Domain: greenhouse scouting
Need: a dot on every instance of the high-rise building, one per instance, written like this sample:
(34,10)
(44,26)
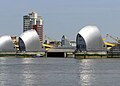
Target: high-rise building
(33,21)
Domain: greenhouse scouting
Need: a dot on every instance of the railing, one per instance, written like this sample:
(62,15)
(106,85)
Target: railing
(113,53)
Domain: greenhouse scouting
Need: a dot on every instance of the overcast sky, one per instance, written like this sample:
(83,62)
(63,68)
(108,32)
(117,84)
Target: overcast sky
(61,17)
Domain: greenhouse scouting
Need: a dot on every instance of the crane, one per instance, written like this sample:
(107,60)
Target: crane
(116,39)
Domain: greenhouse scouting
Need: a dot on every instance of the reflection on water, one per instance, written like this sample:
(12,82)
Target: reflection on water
(59,72)
(99,72)
(38,72)
(86,75)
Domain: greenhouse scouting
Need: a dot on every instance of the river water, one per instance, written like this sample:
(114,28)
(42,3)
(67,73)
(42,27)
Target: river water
(59,72)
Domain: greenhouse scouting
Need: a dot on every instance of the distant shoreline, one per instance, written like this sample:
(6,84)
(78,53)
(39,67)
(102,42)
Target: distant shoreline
(43,54)
(26,54)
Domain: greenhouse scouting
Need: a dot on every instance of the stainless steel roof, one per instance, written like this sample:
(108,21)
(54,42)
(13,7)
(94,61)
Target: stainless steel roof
(31,40)
(65,41)
(92,37)
(6,43)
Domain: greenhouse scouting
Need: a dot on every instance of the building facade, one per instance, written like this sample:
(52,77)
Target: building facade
(33,21)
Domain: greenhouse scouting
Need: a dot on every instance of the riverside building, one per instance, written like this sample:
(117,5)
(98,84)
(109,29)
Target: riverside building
(33,21)
(6,44)
(29,41)
(90,39)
